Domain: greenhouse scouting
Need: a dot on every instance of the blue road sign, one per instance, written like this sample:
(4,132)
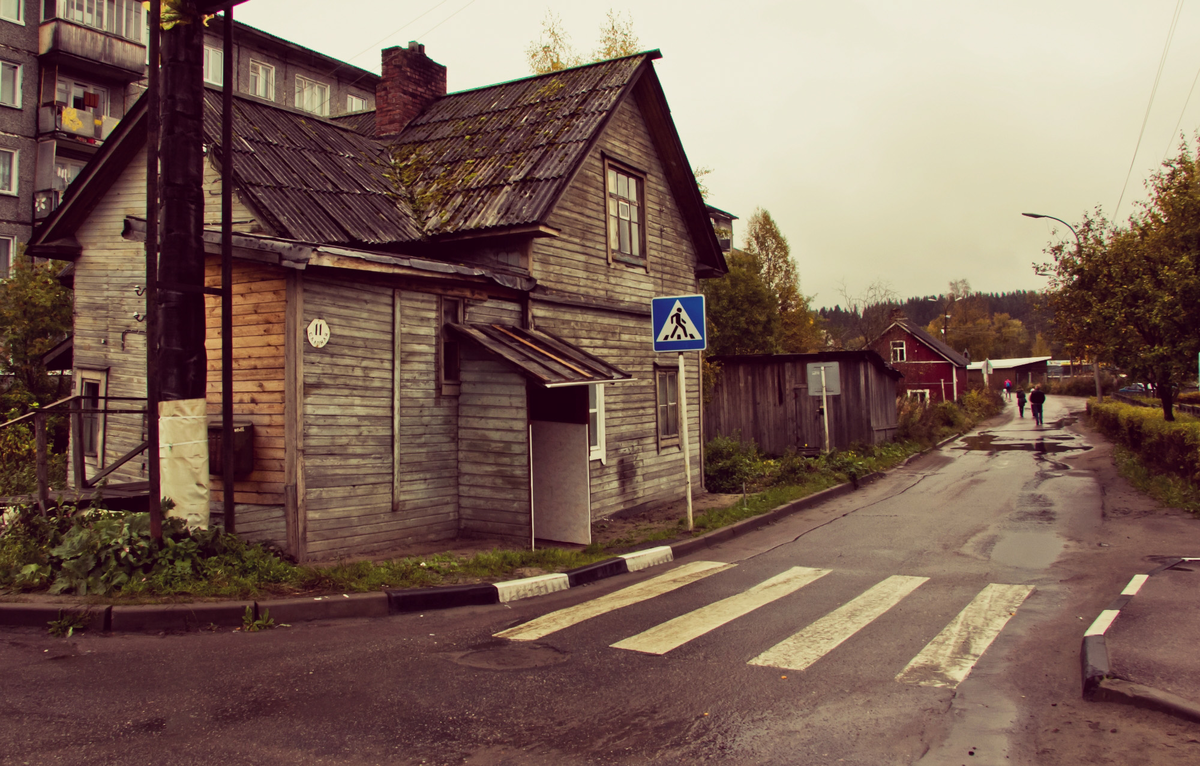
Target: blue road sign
(679,323)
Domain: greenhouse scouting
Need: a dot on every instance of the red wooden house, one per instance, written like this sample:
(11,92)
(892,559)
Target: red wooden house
(932,370)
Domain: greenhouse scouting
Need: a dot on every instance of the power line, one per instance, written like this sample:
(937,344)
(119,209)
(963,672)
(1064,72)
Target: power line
(443,21)
(1186,101)
(1153,90)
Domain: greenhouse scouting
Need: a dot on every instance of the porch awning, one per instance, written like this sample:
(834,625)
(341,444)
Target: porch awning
(550,361)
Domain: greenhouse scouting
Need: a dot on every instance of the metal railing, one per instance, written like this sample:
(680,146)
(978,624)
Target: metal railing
(76,407)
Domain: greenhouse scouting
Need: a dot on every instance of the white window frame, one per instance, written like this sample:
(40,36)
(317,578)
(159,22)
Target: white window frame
(920,394)
(351,98)
(19,5)
(8,246)
(265,80)
(214,65)
(100,378)
(16,172)
(899,351)
(625,213)
(320,91)
(669,375)
(68,87)
(17,86)
(596,437)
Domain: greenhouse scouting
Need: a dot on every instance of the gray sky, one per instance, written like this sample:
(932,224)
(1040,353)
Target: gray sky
(892,140)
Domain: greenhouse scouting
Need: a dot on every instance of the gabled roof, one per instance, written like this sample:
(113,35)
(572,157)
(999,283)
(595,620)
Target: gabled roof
(483,162)
(921,334)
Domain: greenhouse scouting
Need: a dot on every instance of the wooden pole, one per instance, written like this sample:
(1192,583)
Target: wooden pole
(152,131)
(43,481)
(227,276)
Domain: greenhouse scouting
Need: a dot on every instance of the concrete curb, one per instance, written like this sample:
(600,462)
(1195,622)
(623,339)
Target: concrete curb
(1099,684)
(183,617)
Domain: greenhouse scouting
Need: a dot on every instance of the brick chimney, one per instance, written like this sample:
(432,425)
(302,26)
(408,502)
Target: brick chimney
(411,81)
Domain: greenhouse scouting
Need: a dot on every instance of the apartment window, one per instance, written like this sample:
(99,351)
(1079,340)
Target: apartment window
(121,17)
(449,356)
(7,246)
(10,84)
(596,421)
(667,382)
(8,171)
(355,103)
(214,65)
(82,95)
(65,171)
(262,80)
(312,96)
(626,222)
(10,10)
(898,351)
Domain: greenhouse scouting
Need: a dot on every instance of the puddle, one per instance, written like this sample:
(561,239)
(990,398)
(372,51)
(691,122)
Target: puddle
(1041,444)
(511,655)
(1028,550)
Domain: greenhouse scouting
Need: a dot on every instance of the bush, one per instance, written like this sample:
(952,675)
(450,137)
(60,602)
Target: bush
(730,463)
(1166,447)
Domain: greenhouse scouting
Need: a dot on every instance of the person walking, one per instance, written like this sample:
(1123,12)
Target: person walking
(1036,400)
(1021,401)
(1008,389)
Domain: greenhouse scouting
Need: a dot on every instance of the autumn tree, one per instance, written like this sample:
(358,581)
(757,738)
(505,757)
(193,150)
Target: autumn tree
(798,328)
(553,50)
(35,314)
(1131,294)
(743,316)
(869,314)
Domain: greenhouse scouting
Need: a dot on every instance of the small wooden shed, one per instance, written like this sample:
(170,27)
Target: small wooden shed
(767,399)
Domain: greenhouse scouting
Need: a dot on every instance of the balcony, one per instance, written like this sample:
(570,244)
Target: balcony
(79,123)
(100,53)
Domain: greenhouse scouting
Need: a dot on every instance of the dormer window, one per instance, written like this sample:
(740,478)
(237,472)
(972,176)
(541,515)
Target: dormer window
(624,194)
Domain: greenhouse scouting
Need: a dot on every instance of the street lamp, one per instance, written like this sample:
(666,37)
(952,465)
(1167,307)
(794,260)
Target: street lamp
(1079,253)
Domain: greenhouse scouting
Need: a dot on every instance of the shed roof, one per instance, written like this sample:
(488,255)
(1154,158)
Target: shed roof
(546,359)
(867,354)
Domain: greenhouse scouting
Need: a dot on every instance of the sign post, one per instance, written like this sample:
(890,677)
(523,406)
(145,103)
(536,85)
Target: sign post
(824,380)
(679,325)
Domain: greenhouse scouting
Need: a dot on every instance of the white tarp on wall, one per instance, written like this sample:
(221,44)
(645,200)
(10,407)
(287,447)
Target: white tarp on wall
(183,458)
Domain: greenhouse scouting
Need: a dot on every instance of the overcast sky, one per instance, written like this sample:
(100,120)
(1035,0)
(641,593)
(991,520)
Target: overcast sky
(892,140)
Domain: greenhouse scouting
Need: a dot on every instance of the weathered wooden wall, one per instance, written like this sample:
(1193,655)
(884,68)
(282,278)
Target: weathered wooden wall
(765,399)
(259,312)
(616,324)
(426,451)
(347,418)
(107,337)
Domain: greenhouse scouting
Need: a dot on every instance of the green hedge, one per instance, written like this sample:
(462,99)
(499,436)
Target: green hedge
(1171,448)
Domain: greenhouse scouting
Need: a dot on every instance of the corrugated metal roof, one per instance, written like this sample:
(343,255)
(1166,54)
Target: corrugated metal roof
(314,180)
(498,156)
(547,359)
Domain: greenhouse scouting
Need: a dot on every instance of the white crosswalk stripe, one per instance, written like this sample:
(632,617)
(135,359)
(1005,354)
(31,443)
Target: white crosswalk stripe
(827,633)
(945,661)
(565,618)
(677,632)
(949,657)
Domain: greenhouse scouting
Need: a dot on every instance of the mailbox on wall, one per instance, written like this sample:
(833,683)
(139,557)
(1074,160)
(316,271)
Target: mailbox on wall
(243,449)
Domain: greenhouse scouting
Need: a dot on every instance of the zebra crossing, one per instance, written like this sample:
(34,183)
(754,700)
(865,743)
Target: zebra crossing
(945,661)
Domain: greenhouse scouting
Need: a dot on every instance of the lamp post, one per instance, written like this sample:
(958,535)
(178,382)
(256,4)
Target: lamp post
(1079,253)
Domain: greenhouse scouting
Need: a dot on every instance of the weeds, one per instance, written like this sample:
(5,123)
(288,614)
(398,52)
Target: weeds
(250,624)
(67,623)
(1171,491)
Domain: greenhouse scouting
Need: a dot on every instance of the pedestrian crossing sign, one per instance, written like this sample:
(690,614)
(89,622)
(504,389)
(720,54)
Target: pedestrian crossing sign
(679,323)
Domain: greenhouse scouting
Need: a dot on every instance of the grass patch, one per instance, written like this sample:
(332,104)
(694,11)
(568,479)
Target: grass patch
(1171,491)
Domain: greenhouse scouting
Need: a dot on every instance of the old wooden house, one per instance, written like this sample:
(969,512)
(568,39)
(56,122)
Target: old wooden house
(441,315)
(932,370)
(775,401)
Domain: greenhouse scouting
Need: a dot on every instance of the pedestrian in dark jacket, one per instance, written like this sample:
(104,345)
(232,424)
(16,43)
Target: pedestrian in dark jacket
(1036,400)
(1021,401)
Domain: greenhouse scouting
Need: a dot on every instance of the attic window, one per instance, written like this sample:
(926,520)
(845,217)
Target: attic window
(898,350)
(625,195)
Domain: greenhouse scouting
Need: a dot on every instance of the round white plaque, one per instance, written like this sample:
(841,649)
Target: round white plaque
(318,333)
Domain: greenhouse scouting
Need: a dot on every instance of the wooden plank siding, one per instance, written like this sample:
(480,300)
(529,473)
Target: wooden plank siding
(766,400)
(107,337)
(635,471)
(347,418)
(259,313)
(493,448)
(426,425)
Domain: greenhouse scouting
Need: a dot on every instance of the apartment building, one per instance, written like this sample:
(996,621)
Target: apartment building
(70,69)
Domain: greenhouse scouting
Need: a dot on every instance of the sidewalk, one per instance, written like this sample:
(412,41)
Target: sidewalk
(1142,649)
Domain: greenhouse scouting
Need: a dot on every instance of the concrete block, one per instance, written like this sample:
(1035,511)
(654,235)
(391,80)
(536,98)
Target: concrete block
(156,617)
(423,599)
(338,606)
(41,615)
(532,586)
(650,557)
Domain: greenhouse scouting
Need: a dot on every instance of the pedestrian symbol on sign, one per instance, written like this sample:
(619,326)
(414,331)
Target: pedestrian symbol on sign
(679,326)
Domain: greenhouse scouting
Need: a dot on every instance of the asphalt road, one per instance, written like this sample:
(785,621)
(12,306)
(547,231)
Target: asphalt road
(932,617)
